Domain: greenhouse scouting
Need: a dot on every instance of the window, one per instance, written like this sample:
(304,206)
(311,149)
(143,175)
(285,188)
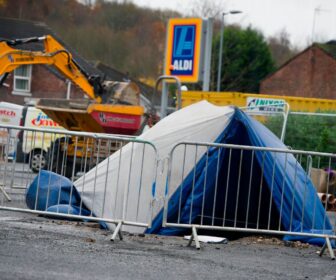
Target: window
(22,80)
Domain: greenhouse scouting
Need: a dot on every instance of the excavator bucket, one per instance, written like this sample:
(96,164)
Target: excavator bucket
(123,92)
(123,114)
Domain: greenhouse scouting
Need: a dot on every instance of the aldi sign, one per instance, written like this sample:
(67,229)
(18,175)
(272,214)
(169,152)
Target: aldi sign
(183,50)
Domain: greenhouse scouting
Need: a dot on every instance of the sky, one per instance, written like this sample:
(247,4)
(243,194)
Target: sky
(301,19)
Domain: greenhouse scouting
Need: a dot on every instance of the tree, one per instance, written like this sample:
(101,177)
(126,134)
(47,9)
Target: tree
(117,33)
(280,48)
(207,9)
(246,59)
(308,133)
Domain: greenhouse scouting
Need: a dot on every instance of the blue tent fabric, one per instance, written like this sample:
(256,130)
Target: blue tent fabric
(54,193)
(289,202)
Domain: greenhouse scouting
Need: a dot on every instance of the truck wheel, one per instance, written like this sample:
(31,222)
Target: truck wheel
(38,160)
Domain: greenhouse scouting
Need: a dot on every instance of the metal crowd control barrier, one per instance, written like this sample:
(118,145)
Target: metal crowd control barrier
(111,177)
(209,186)
(164,97)
(248,189)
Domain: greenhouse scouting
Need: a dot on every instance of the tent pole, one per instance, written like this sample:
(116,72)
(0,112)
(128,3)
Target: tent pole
(326,245)
(117,231)
(194,236)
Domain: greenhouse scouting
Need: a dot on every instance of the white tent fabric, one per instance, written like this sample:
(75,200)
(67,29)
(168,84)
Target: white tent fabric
(120,187)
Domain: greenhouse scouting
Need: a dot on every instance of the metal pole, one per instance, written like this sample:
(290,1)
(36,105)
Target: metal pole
(68,93)
(220,54)
(207,55)
(164,96)
(164,100)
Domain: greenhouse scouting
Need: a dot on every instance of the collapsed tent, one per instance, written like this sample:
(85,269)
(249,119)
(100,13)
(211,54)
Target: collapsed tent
(280,196)
(123,185)
(131,184)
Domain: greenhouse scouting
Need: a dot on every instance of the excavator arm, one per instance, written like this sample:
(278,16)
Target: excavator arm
(117,104)
(54,54)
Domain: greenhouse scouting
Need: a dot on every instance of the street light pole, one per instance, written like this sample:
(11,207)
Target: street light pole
(220,54)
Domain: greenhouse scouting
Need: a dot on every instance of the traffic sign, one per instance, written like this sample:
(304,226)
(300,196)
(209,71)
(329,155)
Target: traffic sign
(183,49)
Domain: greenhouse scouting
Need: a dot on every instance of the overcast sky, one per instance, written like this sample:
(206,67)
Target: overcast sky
(302,19)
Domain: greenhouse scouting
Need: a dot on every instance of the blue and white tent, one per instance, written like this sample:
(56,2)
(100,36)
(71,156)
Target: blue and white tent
(132,168)
(122,185)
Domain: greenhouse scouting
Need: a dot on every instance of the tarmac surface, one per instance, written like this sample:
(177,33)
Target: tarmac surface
(34,247)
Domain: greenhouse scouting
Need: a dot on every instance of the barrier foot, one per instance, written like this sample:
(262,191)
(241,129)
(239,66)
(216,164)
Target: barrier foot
(194,236)
(326,245)
(5,194)
(117,231)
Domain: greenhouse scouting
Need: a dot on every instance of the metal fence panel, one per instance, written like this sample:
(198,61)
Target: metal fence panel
(209,186)
(113,175)
(248,189)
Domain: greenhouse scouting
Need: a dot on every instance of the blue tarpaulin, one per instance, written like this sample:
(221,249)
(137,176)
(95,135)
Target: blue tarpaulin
(289,200)
(54,193)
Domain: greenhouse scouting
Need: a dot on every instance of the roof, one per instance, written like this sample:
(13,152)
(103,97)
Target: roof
(11,29)
(329,47)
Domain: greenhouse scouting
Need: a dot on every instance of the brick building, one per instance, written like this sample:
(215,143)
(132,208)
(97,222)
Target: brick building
(311,73)
(27,83)
(31,82)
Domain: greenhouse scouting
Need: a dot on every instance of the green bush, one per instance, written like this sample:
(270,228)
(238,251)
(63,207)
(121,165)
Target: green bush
(308,133)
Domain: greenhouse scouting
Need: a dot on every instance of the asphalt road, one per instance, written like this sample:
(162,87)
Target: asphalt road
(39,248)
(34,247)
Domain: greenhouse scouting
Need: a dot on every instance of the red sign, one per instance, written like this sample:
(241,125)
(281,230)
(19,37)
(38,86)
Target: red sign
(117,123)
(43,120)
(8,113)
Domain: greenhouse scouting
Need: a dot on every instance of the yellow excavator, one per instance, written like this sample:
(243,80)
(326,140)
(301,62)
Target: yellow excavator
(112,107)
